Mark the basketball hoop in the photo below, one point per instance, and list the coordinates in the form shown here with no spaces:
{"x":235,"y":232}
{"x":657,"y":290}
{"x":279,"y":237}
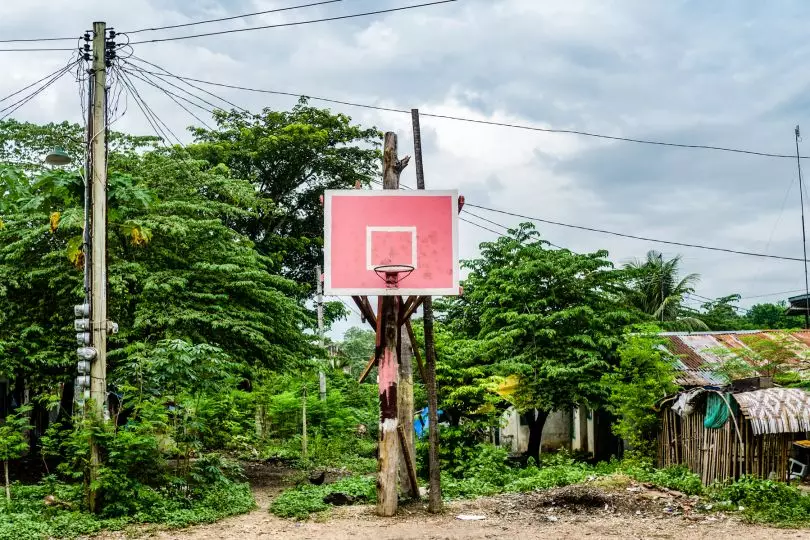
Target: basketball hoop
{"x":392,"y":273}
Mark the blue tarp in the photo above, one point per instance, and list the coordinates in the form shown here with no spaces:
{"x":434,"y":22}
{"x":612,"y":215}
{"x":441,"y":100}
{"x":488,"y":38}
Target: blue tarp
{"x":421,"y":422}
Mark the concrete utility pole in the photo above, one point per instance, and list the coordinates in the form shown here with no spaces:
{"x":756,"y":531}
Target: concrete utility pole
{"x":98,"y":294}
{"x":319,"y":304}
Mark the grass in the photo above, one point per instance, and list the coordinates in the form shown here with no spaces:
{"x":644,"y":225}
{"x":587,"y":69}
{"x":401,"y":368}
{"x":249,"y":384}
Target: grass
{"x":301,"y":501}
{"x":27,"y":517}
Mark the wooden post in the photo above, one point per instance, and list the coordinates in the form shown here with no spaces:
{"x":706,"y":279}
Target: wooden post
{"x":435,"y":483}
{"x":388,"y":372}
{"x":304,"y":423}
{"x":406,"y":407}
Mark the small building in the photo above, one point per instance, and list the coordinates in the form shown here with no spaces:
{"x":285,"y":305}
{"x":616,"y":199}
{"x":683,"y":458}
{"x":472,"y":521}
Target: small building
{"x":755,"y":438}
{"x":722,"y":431}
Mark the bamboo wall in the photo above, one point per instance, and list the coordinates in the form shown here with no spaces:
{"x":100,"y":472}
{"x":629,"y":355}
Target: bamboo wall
{"x":724,"y":453}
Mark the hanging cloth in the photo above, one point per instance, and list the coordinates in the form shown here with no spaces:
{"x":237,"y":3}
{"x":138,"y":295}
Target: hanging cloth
{"x":718,"y":408}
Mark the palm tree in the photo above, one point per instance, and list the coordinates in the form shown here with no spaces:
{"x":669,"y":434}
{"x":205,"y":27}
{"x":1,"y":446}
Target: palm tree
{"x":654,"y":289}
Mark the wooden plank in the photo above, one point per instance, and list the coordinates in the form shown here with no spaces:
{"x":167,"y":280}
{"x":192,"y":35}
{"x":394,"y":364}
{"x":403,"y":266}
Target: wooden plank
{"x":409,"y":464}
{"x":416,"y":353}
{"x":365,"y":310}
{"x":413,"y":307}
{"x":369,"y":366}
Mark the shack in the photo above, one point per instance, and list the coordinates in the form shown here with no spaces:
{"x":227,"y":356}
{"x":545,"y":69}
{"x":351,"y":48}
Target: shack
{"x":722,"y":435}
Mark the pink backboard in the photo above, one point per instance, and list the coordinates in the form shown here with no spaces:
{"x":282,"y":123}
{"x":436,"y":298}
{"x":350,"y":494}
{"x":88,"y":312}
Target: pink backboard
{"x":364,"y":229}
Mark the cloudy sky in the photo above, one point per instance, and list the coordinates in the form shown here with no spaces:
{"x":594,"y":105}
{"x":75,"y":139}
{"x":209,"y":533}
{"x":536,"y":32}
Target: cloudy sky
{"x":725,"y":73}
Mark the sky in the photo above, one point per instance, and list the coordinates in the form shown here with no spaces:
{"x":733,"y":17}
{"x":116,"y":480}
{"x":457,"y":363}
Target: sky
{"x":724,"y":73}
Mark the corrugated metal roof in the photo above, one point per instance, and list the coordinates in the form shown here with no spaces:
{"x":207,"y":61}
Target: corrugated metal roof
{"x":776,"y":410}
{"x":699,"y":352}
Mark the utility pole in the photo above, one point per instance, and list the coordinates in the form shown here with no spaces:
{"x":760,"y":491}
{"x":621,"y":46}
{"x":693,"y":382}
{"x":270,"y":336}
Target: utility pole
{"x":434,"y":474}
{"x":319,"y":304}
{"x":405,"y":409}
{"x":98,"y":234}
{"x":804,"y":233}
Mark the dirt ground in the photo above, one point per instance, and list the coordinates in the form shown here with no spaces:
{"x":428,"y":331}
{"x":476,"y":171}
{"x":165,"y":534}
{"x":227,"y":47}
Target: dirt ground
{"x":592,"y":512}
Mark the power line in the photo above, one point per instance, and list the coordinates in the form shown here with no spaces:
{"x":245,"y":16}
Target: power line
{"x":50,"y":80}
{"x":32,"y":40}
{"x":635,"y":237}
{"x":221,"y":19}
{"x":297,"y":23}
{"x":45,"y":49}
{"x":492,"y":123}
{"x":771,"y":294}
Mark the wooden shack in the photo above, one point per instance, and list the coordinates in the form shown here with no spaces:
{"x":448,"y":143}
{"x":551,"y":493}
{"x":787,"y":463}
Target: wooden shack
{"x":755,"y":440}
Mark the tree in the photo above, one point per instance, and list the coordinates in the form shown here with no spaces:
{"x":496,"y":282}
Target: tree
{"x":645,"y":374}
{"x":772,"y":317}
{"x":290,"y":158}
{"x":177,"y":267}
{"x":723,"y":314}
{"x":656,"y":290}
{"x":12,"y":440}
{"x":357,"y":347}
{"x":552,"y":318}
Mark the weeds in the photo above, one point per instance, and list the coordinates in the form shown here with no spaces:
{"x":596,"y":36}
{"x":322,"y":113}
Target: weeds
{"x":301,"y":501}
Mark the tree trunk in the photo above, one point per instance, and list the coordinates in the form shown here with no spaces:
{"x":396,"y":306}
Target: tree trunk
{"x":405,"y":413}
{"x":537,"y":419}
{"x":434,"y":474}
{"x":8,"y":488}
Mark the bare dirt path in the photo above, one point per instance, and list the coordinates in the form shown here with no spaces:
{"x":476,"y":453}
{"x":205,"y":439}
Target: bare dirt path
{"x":360,"y":523}
{"x":565,"y":513}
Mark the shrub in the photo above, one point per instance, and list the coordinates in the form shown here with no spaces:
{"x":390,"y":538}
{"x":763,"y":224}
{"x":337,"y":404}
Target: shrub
{"x":301,"y":501}
{"x":766,"y":501}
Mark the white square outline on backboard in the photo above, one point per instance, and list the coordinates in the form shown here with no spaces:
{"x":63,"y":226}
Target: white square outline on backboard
{"x":452,"y":196}
{"x":372,"y":229}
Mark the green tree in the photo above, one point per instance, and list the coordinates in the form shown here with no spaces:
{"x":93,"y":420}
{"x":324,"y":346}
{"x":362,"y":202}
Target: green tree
{"x":356,"y":348}
{"x":177,"y":267}
{"x":290,"y":158}
{"x":12,"y":440}
{"x":656,"y":289}
{"x":645,"y":374}
{"x":723,"y":314}
{"x":772,"y":317}
{"x":550,"y":317}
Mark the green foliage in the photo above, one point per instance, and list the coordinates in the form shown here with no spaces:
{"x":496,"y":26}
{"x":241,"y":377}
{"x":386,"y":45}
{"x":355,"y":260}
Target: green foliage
{"x":766,"y":501}
{"x":644,"y":375}
{"x":289,"y":158}
{"x":549,"y":317}
{"x":656,"y":290}
{"x":13,"y":443}
{"x":306,"y":499}
{"x":772,"y":317}
{"x":29,"y":517}
{"x":762,"y":356}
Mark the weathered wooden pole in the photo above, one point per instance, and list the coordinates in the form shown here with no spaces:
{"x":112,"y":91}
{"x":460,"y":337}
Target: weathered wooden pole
{"x":388,"y":373}
{"x":434,"y":475}
{"x":405,"y":405}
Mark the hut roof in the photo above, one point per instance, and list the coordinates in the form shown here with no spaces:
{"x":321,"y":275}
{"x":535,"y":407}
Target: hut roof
{"x":699,"y":352}
{"x":776,"y":410}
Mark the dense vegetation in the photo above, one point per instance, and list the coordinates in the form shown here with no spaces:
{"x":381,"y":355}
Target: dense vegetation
{"x":211,"y":251}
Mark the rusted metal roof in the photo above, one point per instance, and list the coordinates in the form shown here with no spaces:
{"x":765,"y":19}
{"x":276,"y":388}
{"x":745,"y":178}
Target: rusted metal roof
{"x":699,"y":352}
{"x":776,"y":410}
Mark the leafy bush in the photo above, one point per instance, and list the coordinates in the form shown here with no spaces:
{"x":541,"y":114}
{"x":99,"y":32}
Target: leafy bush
{"x":28,"y":517}
{"x":766,"y":501}
{"x":306,"y":499}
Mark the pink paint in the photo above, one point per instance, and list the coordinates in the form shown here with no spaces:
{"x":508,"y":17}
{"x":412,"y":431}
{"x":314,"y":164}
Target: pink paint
{"x":364,"y":229}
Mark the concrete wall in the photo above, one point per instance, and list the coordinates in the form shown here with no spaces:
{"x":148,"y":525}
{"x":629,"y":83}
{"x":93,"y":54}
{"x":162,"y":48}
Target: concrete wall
{"x":556,"y":432}
{"x":583,"y":437}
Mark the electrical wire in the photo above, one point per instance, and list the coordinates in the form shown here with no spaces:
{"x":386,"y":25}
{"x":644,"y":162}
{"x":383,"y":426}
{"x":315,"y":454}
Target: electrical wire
{"x":170,"y":74}
{"x":47,"y":49}
{"x":492,"y":123}
{"x":46,"y":77}
{"x":175,"y":97}
{"x":297,"y":23}
{"x":233,"y":17}
{"x":635,"y":237}
{"x":12,"y":108}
